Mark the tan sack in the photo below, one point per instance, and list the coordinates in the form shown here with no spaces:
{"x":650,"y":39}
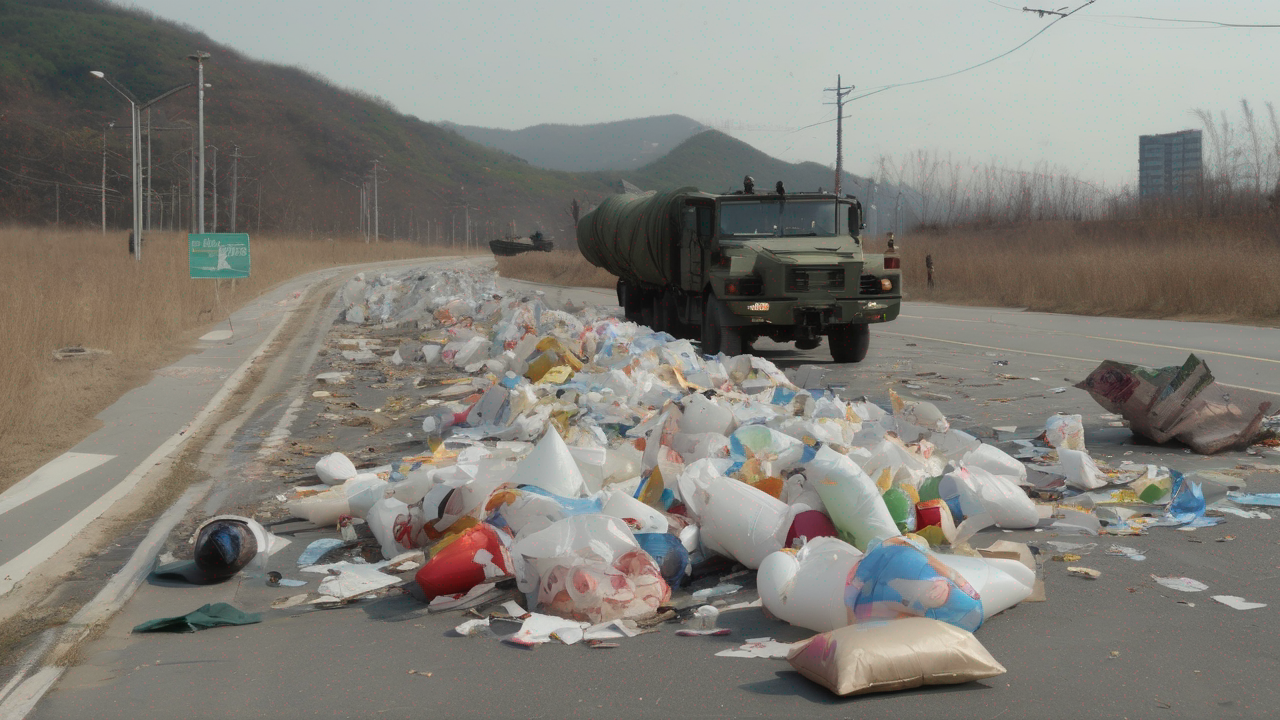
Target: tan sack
{"x":893,"y":655}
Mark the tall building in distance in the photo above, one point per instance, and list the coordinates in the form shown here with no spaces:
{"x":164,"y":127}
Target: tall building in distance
{"x":1169,"y":165}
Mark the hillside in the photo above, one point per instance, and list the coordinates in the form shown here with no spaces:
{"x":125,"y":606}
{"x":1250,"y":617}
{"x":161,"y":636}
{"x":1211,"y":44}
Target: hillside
{"x":301,"y":137}
{"x":716,"y":162}
{"x":620,"y":145}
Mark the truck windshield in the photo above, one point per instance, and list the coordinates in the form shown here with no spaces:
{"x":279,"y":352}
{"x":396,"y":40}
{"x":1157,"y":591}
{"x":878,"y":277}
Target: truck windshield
{"x":779,"y":219}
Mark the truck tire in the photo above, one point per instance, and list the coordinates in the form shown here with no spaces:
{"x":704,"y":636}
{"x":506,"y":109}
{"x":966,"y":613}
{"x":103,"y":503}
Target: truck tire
{"x":849,"y":343}
{"x":716,"y":336}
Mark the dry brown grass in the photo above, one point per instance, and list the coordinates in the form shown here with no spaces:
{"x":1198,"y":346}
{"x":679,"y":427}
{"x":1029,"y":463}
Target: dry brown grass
{"x":1208,"y":270}
{"x":83,"y":288}
{"x":558,"y":267}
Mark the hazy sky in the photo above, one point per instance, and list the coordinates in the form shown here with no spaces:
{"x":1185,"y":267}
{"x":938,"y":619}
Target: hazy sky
{"x":1077,"y":96}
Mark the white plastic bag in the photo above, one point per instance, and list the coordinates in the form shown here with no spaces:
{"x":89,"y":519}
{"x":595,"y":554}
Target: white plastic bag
{"x":806,"y":588}
{"x":551,"y":467}
{"x":998,"y":497}
{"x":1080,"y":469}
{"x":997,"y":462}
{"x":851,"y":498}
{"x":741,"y":522}
{"x":335,"y":469}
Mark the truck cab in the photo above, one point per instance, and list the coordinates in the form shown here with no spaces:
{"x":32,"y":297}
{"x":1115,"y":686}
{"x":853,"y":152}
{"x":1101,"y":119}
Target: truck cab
{"x":787,"y":266}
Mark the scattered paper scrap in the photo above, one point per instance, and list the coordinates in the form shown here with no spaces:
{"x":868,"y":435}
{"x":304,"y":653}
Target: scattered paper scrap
{"x":765,"y":647}
{"x":1239,"y":603}
{"x":1181,"y":584}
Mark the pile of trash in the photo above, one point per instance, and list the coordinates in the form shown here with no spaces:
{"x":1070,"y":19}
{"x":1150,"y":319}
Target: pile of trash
{"x":590,"y":466}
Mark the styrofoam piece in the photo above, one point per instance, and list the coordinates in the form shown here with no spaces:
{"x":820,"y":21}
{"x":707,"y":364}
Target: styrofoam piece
{"x":741,"y":522}
{"x":363,"y":491}
{"x":551,"y":467}
{"x":621,"y":505}
{"x":807,"y":588}
{"x":1000,"y":582}
{"x":851,"y":498}
{"x":335,"y":469}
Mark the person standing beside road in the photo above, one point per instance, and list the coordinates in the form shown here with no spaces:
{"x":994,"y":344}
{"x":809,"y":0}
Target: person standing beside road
{"x":928,"y":269}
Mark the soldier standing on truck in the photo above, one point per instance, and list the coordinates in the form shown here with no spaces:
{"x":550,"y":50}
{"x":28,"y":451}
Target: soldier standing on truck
{"x":748,"y":186}
{"x":928,"y":269}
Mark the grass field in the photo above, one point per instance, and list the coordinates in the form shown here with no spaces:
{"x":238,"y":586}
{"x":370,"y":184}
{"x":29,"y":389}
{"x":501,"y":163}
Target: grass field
{"x":1223,"y":270}
{"x":81,"y":288}
{"x":558,"y":267}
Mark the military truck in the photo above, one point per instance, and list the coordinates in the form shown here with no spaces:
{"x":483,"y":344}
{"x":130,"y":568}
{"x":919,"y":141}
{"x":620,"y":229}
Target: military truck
{"x":728,"y":269}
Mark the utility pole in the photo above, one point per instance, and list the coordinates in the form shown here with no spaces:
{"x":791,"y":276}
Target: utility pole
{"x":148,"y":169}
{"x":375,"y":201}
{"x":841,"y":92}
{"x":199,"y":59}
{"x":215,"y":188}
{"x":235,"y":162}
{"x":104,"y":175}
{"x":57,"y":205}
{"x":191,"y":177}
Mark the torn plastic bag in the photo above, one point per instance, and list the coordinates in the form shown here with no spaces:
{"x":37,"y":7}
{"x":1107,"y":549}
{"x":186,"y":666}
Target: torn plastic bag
{"x":702,"y":445}
{"x":390,"y":521}
{"x":698,"y":475}
{"x":902,"y":465}
{"x":589,"y":568}
{"x":764,"y":452}
{"x":1065,"y":431}
{"x":997,"y":462}
{"x":917,"y":414}
{"x":979,"y":492}
{"x":335,"y":469}
{"x":551,"y":467}
{"x":741,"y":522}
{"x":851,"y":498}
{"x":530,"y":508}
{"x":479,"y":555}
{"x":702,"y":415}
{"x":637,"y":515}
{"x":885,"y":657}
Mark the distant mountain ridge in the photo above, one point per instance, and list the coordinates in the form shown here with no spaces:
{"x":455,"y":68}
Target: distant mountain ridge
{"x":619,"y":145}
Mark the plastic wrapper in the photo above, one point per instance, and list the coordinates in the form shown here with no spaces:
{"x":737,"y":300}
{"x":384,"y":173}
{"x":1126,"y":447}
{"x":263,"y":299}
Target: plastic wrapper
{"x":551,"y":467}
{"x":1065,"y":431}
{"x":1080,"y":470}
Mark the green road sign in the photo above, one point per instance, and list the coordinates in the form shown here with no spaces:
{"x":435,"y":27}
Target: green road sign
{"x":218,"y":255}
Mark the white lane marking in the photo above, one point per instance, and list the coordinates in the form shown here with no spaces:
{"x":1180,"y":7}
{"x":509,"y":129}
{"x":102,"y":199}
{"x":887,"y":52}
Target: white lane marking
{"x":24,"y":698}
{"x":281,"y":432}
{"x":1048,"y":355}
{"x":1199,"y":351}
{"x":57,"y":471}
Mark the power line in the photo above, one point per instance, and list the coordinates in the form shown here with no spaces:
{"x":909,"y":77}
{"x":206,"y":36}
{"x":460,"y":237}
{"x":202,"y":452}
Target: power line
{"x":958,"y":72}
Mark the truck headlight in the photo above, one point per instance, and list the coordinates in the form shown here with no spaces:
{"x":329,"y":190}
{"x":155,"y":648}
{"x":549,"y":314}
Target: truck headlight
{"x":886,"y":284}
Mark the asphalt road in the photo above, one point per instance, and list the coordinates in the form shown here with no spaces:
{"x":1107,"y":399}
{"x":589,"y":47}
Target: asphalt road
{"x":1120,"y":646}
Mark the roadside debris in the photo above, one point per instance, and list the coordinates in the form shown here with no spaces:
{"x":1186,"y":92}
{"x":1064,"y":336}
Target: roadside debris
{"x":580,"y":480}
{"x":208,"y":616}
{"x":1182,"y":403}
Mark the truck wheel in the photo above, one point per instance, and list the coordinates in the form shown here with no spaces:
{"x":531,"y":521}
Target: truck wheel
{"x":716,"y":336}
{"x":849,"y":343}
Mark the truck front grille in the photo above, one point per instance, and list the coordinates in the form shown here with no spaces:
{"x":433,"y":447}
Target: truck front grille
{"x":869,"y":285}
{"x":806,"y":279}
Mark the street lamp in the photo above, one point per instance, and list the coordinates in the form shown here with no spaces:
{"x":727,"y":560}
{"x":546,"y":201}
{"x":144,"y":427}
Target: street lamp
{"x":199,"y":58}
{"x":134,"y":160}
{"x":135,"y":110}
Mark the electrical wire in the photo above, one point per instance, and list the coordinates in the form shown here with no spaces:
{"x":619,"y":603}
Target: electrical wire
{"x":1004,"y":54}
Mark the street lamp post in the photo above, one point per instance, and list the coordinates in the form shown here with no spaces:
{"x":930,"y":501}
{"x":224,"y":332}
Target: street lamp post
{"x":135,"y":117}
{"x":104,"y":174}
{"x":199,"y":58}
